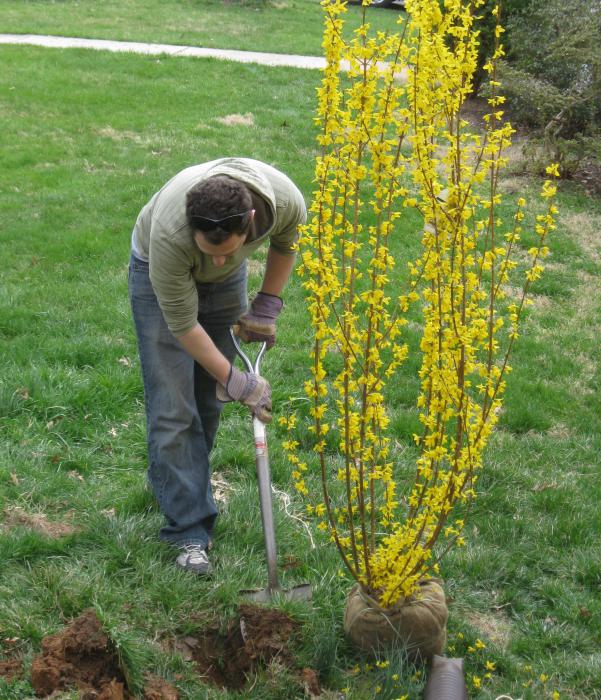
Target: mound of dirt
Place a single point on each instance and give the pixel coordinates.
(81, 656)
(255, 638)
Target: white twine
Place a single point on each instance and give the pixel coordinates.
(286, 501)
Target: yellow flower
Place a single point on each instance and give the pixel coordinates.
(385, 146)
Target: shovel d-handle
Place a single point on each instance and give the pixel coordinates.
(263, 474)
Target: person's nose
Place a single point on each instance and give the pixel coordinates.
(218, 260)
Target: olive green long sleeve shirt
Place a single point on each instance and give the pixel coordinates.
(162, 236)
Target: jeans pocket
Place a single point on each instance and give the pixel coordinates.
(139, 283)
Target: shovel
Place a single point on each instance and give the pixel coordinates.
(264, 595)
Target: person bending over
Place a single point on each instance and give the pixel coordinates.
(187, 287)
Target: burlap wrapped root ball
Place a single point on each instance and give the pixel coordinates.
(417, 624)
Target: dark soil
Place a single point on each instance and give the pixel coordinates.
(11, 668)
(82, 657)
(79, 657)
(158, 689)
(255, 638)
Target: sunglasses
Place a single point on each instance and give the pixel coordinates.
(234, 222)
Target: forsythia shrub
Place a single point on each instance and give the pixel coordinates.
(391, 141)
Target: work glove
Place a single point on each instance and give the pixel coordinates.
(250, 389)
(258, 323)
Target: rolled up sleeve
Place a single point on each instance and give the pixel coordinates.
(291, 215)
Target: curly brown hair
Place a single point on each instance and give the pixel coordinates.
(218, 198)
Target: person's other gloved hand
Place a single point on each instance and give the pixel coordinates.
(251, 390)
(258, 323)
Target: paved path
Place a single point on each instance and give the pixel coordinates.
(266, 59)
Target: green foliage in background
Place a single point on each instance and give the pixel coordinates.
(552, 77)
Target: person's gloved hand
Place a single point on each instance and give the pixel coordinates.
(251, 390)
(258, 323)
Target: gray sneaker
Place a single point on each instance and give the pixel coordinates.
(194, 558)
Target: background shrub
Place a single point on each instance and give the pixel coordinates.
(551, 77)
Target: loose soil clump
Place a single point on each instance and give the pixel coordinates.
(82, 657)
(158, 689)
(257, 637)
(11, 668)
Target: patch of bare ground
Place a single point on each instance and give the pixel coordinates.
(119, 135)
(255, 638)
(493, 626)
(559, 430)
(221, 488)
(538, 301)
(15, 516)
(237, 119)
(585, 228)
(514, 187)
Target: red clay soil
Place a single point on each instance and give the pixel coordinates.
(255, 638)
(80, 656)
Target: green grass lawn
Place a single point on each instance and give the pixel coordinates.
(86, 138)
(279, 26)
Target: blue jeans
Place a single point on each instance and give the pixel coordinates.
(182, 410)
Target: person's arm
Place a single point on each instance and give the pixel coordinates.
(232, 384)
(198, 344)
(277, 271)
(258, 323)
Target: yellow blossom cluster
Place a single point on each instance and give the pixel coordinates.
(391, 139)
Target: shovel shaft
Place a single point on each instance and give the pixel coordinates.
(264, 482)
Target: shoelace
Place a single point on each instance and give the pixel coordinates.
(195, 551)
